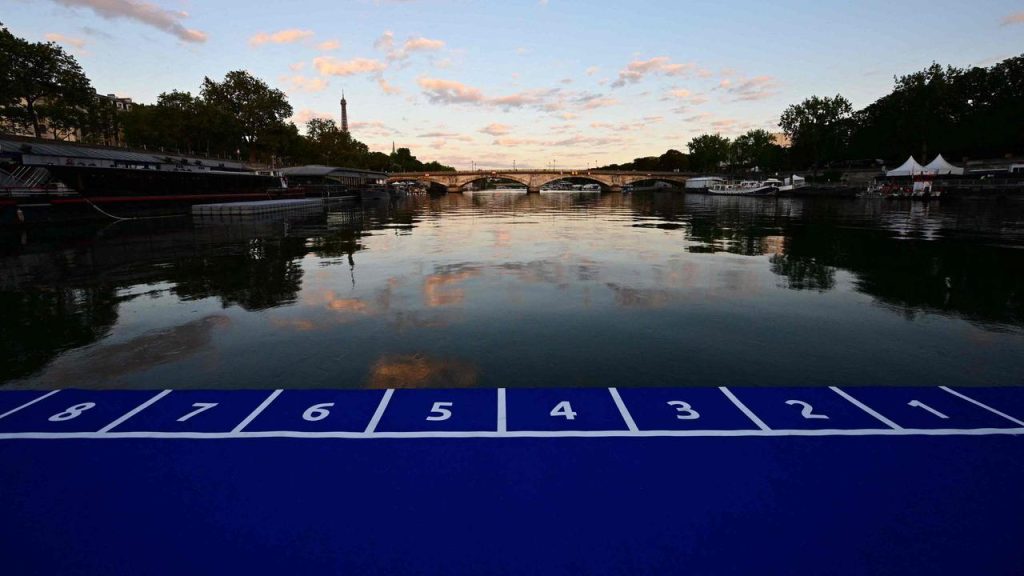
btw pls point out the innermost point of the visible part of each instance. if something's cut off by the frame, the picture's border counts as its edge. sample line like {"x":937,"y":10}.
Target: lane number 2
{"x":685,"y":411}
{"x":200,"y":407}
{"x":440,"y":411}
{"x":72,"y":412}
{"x":807,"y":411}
{"x":563,"y":409}
{"x":926,"y":408}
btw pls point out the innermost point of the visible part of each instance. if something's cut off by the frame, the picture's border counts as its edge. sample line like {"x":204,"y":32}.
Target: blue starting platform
{"x":513,"y":481}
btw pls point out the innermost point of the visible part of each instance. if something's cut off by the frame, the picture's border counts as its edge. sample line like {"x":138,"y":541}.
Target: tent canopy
{"x":909,"y":168}
{"x":940,"y":166}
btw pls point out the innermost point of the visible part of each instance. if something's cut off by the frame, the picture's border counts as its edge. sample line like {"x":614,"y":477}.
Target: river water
{"x":508,"y":289}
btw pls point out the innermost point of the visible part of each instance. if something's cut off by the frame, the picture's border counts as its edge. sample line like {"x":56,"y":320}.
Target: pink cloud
{"x":67,"y":40}
{"x":288,"y":36}
{"x":757,"y":88}
{"x":328,"y":45}
{"x":1015,"y":18}
{"x":663,"y":65}
{"x":300,"y":83}
{"x":149,"y":14}
{"x":496,"y":129}
{"x":450,"y":91}
{"x":329,"y":66}
{"x":387,"y":87}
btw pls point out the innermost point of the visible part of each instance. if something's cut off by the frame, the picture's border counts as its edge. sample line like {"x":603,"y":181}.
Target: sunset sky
{"x":576,"y":83}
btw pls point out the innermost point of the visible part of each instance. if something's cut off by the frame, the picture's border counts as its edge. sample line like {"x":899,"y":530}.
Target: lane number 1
{"x":927,"y":408}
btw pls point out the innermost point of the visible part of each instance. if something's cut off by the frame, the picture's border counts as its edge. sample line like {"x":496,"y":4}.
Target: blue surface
{"x":885,"y":502}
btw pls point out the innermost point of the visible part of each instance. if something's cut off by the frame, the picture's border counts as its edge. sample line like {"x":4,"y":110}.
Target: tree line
{"x":45,"y":93}
{"x":962,"y":113}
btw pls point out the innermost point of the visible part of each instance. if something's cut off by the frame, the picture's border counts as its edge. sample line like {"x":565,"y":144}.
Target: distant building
{"x":111,"y":137}
{"x":344,"y":113}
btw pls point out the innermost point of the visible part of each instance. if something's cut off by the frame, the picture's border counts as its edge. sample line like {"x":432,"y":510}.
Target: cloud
{"x":592,"y":70}
{"x":496,"y":129}
{"x":297,"y":66}
{"x":373,"y":128}
{"x":388,"y":88}
{"x":328,"y":45}
{"x":66,"y":40}
{"x":757,"y":88}
{"x":288,"y":36}
{"x":1015,"y":18}
{"x":143,"y":12}
{"x":450,"y":91}
{"x":305,"y":115}
{"x":386,"y":44}
{"x":329,"y":66}
{"x":663,"y":65}
{"x":301,"y":83}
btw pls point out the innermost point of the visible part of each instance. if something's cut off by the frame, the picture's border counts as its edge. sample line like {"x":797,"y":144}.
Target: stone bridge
{"x":609,"y":180}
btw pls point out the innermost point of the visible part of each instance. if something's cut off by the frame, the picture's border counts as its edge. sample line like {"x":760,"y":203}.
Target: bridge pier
{"x":455,"y":189}
{"x":613,"y":188}
{"x":533,"y":189}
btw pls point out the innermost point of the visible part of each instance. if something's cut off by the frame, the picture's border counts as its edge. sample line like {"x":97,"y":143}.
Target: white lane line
{"x":630,"y":424}
{"x":137,"y":409}
{"x":743,"y":408}
{"x":976,"y":403}
{"x":372,"y":426}
{"x":257,"y":411}
{"x":515,"y":434}
{"x":866,"y":408}
{"x":502,"y":413}
{"x":27,"y":404}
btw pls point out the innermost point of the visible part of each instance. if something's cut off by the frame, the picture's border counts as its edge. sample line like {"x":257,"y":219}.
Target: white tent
{"x":940,"y":166}
{"x":909,"y":168}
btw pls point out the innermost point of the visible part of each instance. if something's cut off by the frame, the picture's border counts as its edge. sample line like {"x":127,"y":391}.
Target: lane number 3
{"x":685,"y":411}
{"x":807,"y":411}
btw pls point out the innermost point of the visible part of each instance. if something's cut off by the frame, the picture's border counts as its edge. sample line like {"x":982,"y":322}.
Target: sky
{"x":563,"y":83}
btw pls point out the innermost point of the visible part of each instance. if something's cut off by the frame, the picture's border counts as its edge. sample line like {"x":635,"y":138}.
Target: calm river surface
{"x":506,"y":289}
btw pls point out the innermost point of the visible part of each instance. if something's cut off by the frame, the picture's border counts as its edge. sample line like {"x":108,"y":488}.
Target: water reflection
{"x":516,"y":289}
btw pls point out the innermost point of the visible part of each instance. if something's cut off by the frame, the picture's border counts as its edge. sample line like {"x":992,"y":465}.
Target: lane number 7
{"x":200,"y":407}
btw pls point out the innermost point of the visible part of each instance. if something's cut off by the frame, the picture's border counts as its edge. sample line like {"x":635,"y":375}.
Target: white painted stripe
{"x":502,"y":413}
{"x":985,"y":406}
{"x":137,"y":409}
{"x":27,"y":404}
{"x":630,"y":424}
{"x":513,"y":434}
{"x":743,"y":408}
{"x":867,"y":409}
{"x":372,"y":426}
{"x":257,"y":411}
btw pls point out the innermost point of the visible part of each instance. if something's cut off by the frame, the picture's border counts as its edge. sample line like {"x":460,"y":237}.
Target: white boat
{"x":747,"y":188}
{"x":590,"y":188}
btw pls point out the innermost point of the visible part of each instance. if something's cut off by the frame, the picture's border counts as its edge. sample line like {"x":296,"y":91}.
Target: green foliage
{"x":757,"y":148}
{"x":255,"y":106}
{"x":818,"y":127}
{"x":39,"y":80}
{"x":708,"y":152}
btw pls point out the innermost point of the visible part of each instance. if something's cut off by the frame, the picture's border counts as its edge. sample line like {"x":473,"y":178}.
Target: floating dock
{"x":234,"y":210}
{"x":513,"y":481}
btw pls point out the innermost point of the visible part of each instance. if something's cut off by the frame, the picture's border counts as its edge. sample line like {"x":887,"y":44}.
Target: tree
{"x":673,"y":160}
{"x":757,"y":148}
{"x":256,"y":106}
{"x":40,"y":79}
{"x":708,"y":152}
{"x":819,"y":127}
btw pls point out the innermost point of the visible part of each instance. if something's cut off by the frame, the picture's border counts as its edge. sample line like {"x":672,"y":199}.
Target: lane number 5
{"x":440,"y":411}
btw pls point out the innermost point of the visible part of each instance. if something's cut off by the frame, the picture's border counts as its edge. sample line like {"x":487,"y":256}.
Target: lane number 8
{"x":72,"y":412}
